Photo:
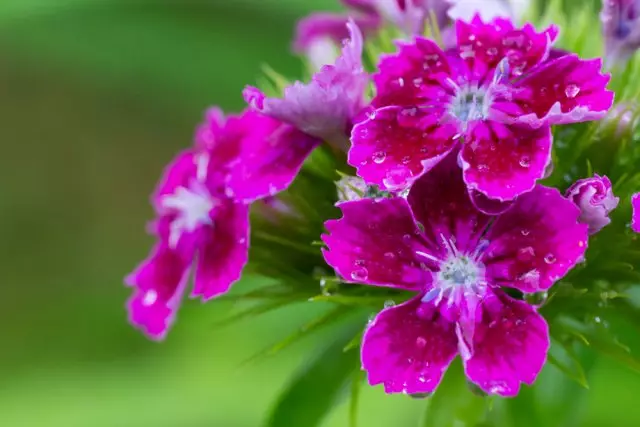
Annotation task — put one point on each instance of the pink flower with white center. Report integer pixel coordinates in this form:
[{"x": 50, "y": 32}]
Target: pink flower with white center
[
  {"x": 458, "y": 261},
  {"x": 621, "y": 29},
  {"x": 594, "y": 196},
  {"x": 203, "y": 215},
  {"x": 325, "y": 107},
  {"x": 635, "y": 218},
  {"x": 495, "y": 96}
]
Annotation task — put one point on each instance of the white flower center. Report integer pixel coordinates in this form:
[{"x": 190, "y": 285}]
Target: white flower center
[
  {"x": 460, "y": 278},
  {"x": 192, "y": 207},
  {"x": 470, "y": 103}
]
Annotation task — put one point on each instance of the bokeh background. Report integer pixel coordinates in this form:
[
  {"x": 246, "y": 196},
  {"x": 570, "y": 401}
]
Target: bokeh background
[{"x": 95, "y": 97}]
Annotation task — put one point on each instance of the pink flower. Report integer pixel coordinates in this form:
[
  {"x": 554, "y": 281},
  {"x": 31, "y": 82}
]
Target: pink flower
[
  {"x": 203, "y": 215},
  {"x": 635, "y": 219},
  {"x": 595, "y": 199},
  {"x": 457, "y": 260},
  {"x": 621, "y": 29},
  {"x": 325, "y": 107},
  {"x": 318, "y": 34},
  {"x": 495, "y": 95}
]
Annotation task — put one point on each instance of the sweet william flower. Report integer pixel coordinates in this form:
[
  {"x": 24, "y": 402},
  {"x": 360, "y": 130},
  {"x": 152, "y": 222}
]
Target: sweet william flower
[
  {"x": 202, "y": 211},
  {"x": 458, "y": 261},
  {"x": 594, "y": 196},
  {"x": 495, "y": 96},
  {"x": 621, "y": 29},
  {"x": 325, "y": 107}
]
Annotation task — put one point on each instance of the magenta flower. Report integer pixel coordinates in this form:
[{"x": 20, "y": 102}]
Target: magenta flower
[
  {"x": 495, "y": 95},
  {"x": 621, "y": 29},
  {"x": 457, "y": 260},
  {"x": 202, "y": 214},
  {"x": 635, "y": 218},
  {"x": 594, "y": 196},
  {"x": 325, "y": 107}
]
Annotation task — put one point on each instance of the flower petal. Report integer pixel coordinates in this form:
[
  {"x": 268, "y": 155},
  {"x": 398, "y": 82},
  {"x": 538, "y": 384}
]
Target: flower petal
[
  {"x": 396, "y": 145},
  {"x": 635, "y": 219},
  {"x": 324, "y": 107},
  {"x": 159, "y": 283},
  {"x": 224, "y": 254},
  {"x": 413, "y": 75},
  {"x": 489, "y": 206},
  {"x": 319, "y": 35},
  {"x": 594, "y": 196},
  {"x": 484, "y": 46},
  {"x": 566, "y": 90},
  {"x": 375, "y": 243},
  {"x": 440, "y": 202},
  {"x": 406, "y": 351},
  {"x": 503, "y": 162},
  {"x": 536, "y": 242},
  {"x": 510, "y": 346},
  {"x": 271, "y": 156},
  {"x": 179, "y": 173}
]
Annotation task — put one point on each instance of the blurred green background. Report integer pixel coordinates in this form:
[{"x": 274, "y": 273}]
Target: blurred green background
[{"x": 95, "y": 97}]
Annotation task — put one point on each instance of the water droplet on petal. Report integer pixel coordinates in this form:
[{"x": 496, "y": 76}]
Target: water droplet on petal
[
  {"x": 360, "y": 274},
  {"x": 537, "y": 298},
  {"x": 379, "y": 157},
  {"x": 525, "y": 232},
  {"x": 549, "y": 258},
  {"x": 390, "y": 255},
  {"x": 150, "y": 297},
  {"x": 389, "y": 303},
  {"x": 421, "y": 342},
  {"x": 571, "y": 91},
  {"x": 525, "y": 161}
]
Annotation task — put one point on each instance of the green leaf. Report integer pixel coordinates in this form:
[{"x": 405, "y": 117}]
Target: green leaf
[
  {"x": 316, "y": 387},
  {"x": 564, "y": 358},
  {"x": 454, "y": 404},
  {"x": 357, "y": 380}
]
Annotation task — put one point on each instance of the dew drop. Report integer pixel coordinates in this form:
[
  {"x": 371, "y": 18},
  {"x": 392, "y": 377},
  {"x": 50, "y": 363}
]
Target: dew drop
[
  {"x": 389, "y": 303},
  {"x": 550, "y": 258},
  {"x": 379, "y": 157},
  {"x": 421, "y": 342},
  {"x": 571, "y": 91},
  {"x": 390, "y": 255},
  {"x": 492, "y": 51},
  {"x": 406, "y": 160},
  {"x": 150, "y": 297},
  {"x": 525, "y": 161},
  {"x": 483, "y": 168},
  {"x": 360, "y": 274},
  {"x": 537, "y": 298},
  {"x": 525, "y": 232},
  {"x": 359, "y": 262}
]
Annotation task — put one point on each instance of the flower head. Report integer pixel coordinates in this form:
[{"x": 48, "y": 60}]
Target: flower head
[
  {"x": 594, "y": 196},
  {"x": 202, "y": 215},
  {"x": 325, "y": 107},
  {"x": 458, "y": 261},
  {"x": 621, "y": 29},
  {"x": 495, "y": 95}
]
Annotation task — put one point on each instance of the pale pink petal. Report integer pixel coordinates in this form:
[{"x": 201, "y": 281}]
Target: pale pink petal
[
  {"x": 408, "y": 348},
  {"x": 594, "y": 196}
]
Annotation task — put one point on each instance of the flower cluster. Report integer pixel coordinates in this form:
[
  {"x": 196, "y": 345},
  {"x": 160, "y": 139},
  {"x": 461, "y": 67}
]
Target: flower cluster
[{"x": 442, "y": 190}]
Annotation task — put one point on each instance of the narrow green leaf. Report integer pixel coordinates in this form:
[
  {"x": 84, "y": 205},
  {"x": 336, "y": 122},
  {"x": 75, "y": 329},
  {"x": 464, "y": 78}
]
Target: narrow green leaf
[
  {"x": 454, "y": 404},
  {"x": 357, "y": 379},
  {"x": 315, "y": 389},
  {"x": 330, "y": 318},
  {"x": 255, "y": 310},
  {"x": 563, "y": 357}
]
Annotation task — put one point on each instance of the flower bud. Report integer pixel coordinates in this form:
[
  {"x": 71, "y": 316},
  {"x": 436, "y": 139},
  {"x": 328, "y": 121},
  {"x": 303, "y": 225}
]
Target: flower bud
[{"x": 595, "y": 199}]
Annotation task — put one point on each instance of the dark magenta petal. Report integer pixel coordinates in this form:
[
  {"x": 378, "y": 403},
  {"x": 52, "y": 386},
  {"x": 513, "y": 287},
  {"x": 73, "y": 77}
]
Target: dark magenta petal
[
  {"x": 510, "y": 346},
  {"x": 635, "y": 219},
  {"x": 566, "y": 90},
  {"x": 159, "y": 284},
  {"x": 396, "y": 145},
  {"x": 408, "y": 352},
  {"x": 271, "y": 156},
  {"x": 484, "y": 46},
  {"x": 224, "y": 254},
  {"x": 489, "y": 206},
  {"x": 375, "y": 242},
  {"x": 413, "y": 75},
  {"x": 440, "y": 202},
  {"x": 179, "y": 173},
  {"x": 536, "y": 242},
  {"x": 503, "y": 162}
]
